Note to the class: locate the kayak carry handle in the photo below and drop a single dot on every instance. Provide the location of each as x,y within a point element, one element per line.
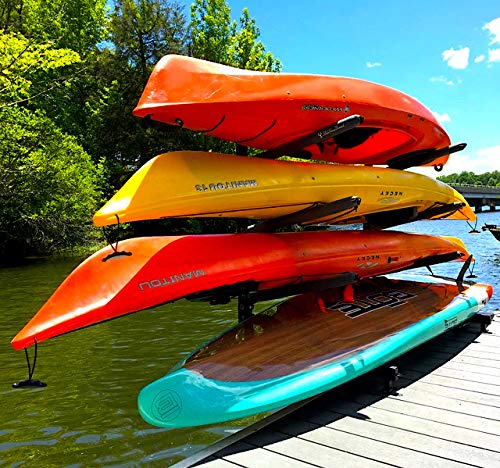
<point>116,252</point>
<point>315,137</point>
<point>421,157</point>
<point>30,382</point>
<point>445,209</point>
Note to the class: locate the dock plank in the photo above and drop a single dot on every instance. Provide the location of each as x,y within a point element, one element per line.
<point>438,378</point>
<point>436,388</point>
<point>424,445</point>
<point>474,352</point>
<point>416,401</point>
<point>446,413</point>
<point>487,373</point>
<point>479,362</point>
<point>370,447</point>
<point>437,423</point>
<point>477,365</point>
<point>471,352</point>
<point>491,339</point>
<point>459,371</point>
<point>249,456</point>
<point>308,450</point>
<point>450,342</point>
<point>219,463</point>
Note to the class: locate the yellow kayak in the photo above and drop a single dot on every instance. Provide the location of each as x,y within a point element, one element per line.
<point>200,184</point>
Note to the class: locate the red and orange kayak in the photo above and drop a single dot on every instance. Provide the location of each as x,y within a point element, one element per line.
<point>150,271</point>
<point>268,110</point>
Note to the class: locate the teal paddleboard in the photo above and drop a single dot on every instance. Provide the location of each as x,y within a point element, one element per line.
<point>305,346</point>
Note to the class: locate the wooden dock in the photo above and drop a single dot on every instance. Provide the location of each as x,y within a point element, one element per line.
<point>446,413</point>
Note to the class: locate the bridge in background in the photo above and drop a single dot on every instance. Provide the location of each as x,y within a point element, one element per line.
<point>479,195</point>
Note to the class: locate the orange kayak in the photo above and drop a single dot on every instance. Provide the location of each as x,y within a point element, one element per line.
<point>268,110</point>
<point>155,270</point>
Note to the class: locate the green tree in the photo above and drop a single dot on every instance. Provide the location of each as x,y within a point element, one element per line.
<point>141,32</point>
<point>212,31</point>
<point>216,37</point>
<point>26,68</point>
<point>50,186</point>
<point>247,52</point>
<point>78,25</point>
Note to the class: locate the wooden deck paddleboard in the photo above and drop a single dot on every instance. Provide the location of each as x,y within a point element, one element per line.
<point>149,271</point>
<point>197,184</point>
<point>305,346</point>
<point>267,110</point>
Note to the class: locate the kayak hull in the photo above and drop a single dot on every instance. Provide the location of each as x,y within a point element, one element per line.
<point>146,272</point>
<point>200,184</point>
<point>266,110</point>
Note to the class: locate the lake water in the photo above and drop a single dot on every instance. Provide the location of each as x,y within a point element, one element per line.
<point>87,415</point>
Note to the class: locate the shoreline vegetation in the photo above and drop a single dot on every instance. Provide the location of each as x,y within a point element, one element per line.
<point>490,179</point>
<point>70,75</point>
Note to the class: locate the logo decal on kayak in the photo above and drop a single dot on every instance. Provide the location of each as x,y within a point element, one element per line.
<point>368,261</point>
<point>391,193</point>
<point>387,197</point>
<point>392,298</point>
<point>166,405</point>
<point>316,107</point>
<point>172,279</point>
<point>450,323</point>
<point>232,185</point>
<point>363,258</point>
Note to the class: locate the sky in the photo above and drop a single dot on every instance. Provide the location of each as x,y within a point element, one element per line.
<point>446,54</point>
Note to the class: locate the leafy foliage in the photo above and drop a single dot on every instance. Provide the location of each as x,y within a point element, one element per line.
<point>24,65</point>
<point>140,33</point>
<point>78,25</point>
<point>49,185</point>
<point>247,51</point>
<point>144,31</point>
<point>491,179</point>
<point>70,75</point>
<point>215,37</point>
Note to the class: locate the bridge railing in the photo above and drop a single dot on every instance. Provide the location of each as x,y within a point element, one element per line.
<point>469,188</point>
<point>474,185</point>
